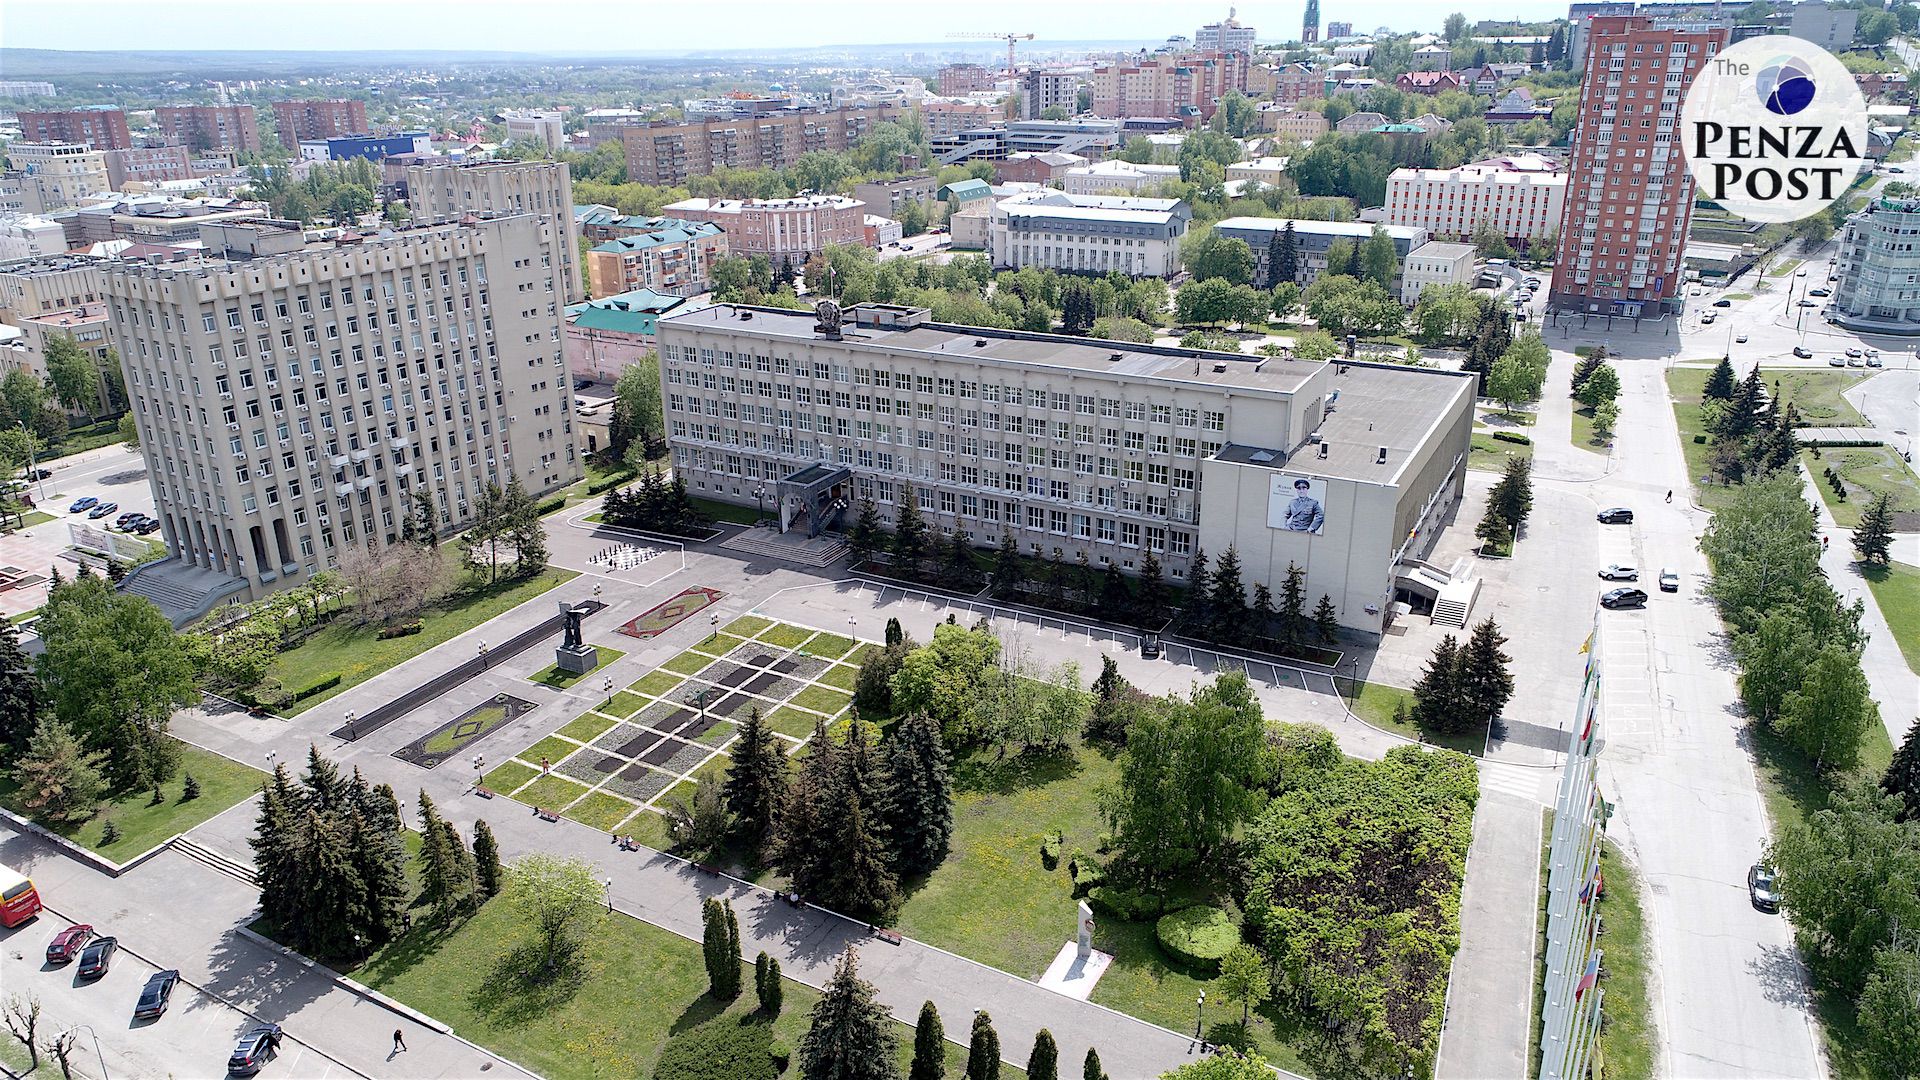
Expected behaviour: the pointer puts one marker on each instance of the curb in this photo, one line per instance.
(97, 861)
(348, 984)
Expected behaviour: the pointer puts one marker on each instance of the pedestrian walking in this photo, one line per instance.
(544, 765)
(1669, 494)
(399, 1041)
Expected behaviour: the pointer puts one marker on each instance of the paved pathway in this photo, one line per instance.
(1895, 686)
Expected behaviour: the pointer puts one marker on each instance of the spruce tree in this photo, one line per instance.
(1484, 685)
(1150, 599)
(461, 878)
(909, 531)
(1090, 1069)
(1228, 596)
(959, 567)
(1116, 600)
(1274, 254)
(1293, 603)
(756, 783)
(1436, 697)
(850, 1036)
(867, 532)
(486, 861)
(1514, 492)
(1584, 369)
(275, 862)
(1197, 613)
(800, 847)
(1720, 383)
(1044, 1062)
(19, 693)
(929, 1046)
(1326, 621)
(1873, 537)
(918, 796)
(1903, 774)
(1009, 570)
(437, 861)
(379, 867)
(59, 779)
(859, 881)
(895, 635)
(1263, 611)
(1289, 260)
(334, 892)
(1493, 527)
(983, 1049)
(325, 789)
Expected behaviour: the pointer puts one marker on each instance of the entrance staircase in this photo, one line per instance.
(823, 550)
(183, 591)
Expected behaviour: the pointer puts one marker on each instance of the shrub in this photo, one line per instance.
(403, 630)
(1127, 905)
(726, 1047)
(1700, 440)
(611, 482)
(550, 506)
(190, 790)
(1050, 852)
(321, 685)
(1512, 437)
(110, 834)
(1197, 936)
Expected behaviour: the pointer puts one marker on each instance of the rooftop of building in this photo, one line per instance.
(659, 231)
(1437, 249)
(734, 206)
(631, 312)
(968, 189)
(1359, 229)
(279, 236)
(1482, 172)
(1116, 167)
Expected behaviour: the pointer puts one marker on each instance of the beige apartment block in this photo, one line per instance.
(447, 191)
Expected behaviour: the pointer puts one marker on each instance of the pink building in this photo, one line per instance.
(795, 228)
(604, 336)
(1188, 86)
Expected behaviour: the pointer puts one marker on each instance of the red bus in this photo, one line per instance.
(19, 900)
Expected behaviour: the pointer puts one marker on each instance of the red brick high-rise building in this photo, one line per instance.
(103, 127)
(1629, 195)
(210, 127)
(320, 120)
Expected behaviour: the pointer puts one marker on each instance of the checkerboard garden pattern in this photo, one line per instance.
(669, 731)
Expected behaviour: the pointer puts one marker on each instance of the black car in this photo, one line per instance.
(253, 1050)
(1623, 598)
(155, 995)
(1723, 302)
(96, 957)
(36, 474)
(1819, 292)
(1617, 515)
(150, 525)
(1762, 887)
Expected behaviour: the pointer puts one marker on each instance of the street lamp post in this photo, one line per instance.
(481, 648)
(88, 1028)
(351, 717)
(1200, 1019)
(33, 465)
(609, 888)
(759, 499)
(714, 623)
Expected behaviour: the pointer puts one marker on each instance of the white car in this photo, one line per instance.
(1617, 572)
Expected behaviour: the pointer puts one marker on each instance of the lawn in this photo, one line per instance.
(1628, 1035)
(1375, 704)
(840, 675)
(1787, 266)
(586, 727)
(554, 676)
(1491, 454)
(507, 776)
(788, 721)
(687, 663)
(822, 700)
(786, 637)
(643, 988)
(719, 644)
(552, 748)
(1583, 434)
(1896, 589)
(1814, 392)
(35, 517)
(357, 653)
(223, 783)
(1683, 386)
(657, 683)
(624, 705)
(724, 511)
(1866, 471)
(600, 811)
(551, 793)
(747, 625)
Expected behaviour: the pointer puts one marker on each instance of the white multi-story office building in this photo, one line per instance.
(1524, 206)
(1225, 36)
(548, 127)
(1878, 269)
(58, 175)
(1056, 230)
(292, 395)
(1435, 263)
(1075, 447)
(441, 190)
(1113, 175)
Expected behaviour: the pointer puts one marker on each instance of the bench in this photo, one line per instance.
(706, 869)
(546, 815)
(891, 937)
(483, 792)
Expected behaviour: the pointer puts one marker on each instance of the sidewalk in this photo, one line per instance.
(1895, 686)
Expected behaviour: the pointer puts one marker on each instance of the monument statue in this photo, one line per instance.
(571, 617)
(826, 319)
(574, 654)
(1086, 930)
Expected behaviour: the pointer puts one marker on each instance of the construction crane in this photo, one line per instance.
(1008, 38)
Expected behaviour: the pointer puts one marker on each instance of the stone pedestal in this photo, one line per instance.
(578, 659)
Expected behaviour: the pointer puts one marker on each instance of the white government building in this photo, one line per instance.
(1524, 206)
(1057, 230)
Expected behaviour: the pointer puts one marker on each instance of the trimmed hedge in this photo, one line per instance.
(324, 684)
(727, 1047)
(1125, 904)
(1512, 437)
(611, 482)
(550, 506)
(1198, 937)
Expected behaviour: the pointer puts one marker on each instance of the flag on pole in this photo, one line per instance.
(1591, 976)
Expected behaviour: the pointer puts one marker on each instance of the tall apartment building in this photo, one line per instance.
(1074, 447)
(1878, 267)
(669, 153)
(17, 88)
(667, 256)
(1225, 36)
(948, 118)
(441, 190)
(1336, 30)
(58, 175)
(959, 80)
(1629, 196)
(103, 127)
(1188, 86)
(1524, 206)
(210, 127)
(148, 164)
(312, 121)
(1831, 28)
(791, 229)
(1043, 90)
(1056, 230)
(888, 198)
(291, 396)
(548, 127)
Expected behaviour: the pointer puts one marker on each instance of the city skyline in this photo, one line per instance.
(494, 26)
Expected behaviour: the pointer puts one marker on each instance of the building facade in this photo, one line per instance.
(672, 258)
(1435, 263)
(58, 175)
(605, 335)
(548, 127)
(311, 121)
(1524, 206)
(1045, 169)
(442, 191)
(1226, 35)
(959, 80)
(1291, 124)
(17, 88)
(1337, 30)
(1072, 447)
(1629, 199)
(210, 127)
(1109, 177)
(669, 153)
(370, 147)
(1188, 86)
(792, 229)
(103, 127)
(1831, 28)
(888, 197)
(147, 164)
(24, 236)
(1041, 90)
(1056, 230)
(1878, 269)
(291, 396)
(946, 118)
(1312, 240)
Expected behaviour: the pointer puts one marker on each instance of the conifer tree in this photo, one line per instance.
(1263, 611)
(333, 894)
(1228, 596)
(1484, 684)
(1150, 599)
(918, 796)
(58, 778)
(850, 1036)
(1287, 265)
(867, 532)
(766, 984)
(1873, 537)
(1903, 773)
(1198, 612)
(713, 946)
(275, 861)
(1009, 570)
(1293, 603)
(859, 880)
(1326, 621)
(731, 958)
(461, 878)
(929, 1046)
(1514, 492)
(19, 693)
(756, 783)
(800, 849)
(1720, 383)
(983, 1049)
(1044, 1062)
(1090, 1069)
(895, 635)
(488, 872)
(1116, 600)
(1436, 697)
(909, 531)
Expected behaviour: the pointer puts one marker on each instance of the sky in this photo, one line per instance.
(618, 26)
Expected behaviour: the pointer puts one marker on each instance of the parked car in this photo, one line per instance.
(583, 384)
(1808, 303)
(156, 994)
(97, 957)
(35, 474)
(1803, 352)
(1762, 888)
(1856, 362)
(1707, 319)
(1802, 272)
(67, 943)
(1741, 338)
(84, 502)
(1873, 352)
(127, 518)
(1854, 352)
(1623, 598)
(101, 510)
(1617, 515)
(1723, 302)
(1669, 581)
(1532, 283)
(1837, 361)
(1873, 361)
(146, 527)
(251, 1052)
(1618, 572)
(1819, 292)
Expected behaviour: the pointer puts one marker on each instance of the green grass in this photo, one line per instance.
(828, 646)
(79, 440)
(559, 679)
(1866, 471)
(786, 637)
(624, 704)
(649, 828)
(223, 783)
(1491, 455)
(551, 793)
(553, 748)
(1816, 394)
(822, 700)
(657, 683)
(507, 776)
(1583, 433)
(1539, 948)
(357, 653)
(1628, 1036)
(839, 675)
(747, 625)
(687, 663)
(719, 644)
(1683, 387)
(1738, 296)
(1786, 267)
(35, 517)
(724, 511)
(600, 810)
(1375, 704)
(790, 721)
(1896, 589)
(586, 727)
